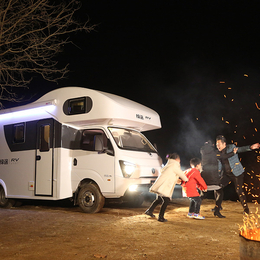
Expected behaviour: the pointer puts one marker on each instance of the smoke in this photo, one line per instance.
(190, 138)
(197, 108)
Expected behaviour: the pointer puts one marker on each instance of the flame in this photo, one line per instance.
(251, 226)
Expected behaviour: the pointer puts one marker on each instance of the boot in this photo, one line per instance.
(149, 213)
(220, 208)
(162, 219)
(217, 213)
(246, 210)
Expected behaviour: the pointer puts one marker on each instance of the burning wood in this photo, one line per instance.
(251, 226)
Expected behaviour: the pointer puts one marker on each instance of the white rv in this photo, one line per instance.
(77, 143)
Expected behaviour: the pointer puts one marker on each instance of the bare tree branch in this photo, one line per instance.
(32, 33)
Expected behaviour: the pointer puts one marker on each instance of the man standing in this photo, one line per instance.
(232, 171)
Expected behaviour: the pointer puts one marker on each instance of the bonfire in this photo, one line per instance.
(251, 226)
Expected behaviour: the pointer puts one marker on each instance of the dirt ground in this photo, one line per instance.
(62, 232)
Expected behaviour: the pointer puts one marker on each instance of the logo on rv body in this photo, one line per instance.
(142, 117)
(14, 160)
(3, 161)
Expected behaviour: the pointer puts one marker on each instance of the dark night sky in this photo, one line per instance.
(171, 56)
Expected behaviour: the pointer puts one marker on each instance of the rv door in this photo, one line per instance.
(44, 158)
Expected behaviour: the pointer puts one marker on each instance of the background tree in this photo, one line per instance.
(32, 33)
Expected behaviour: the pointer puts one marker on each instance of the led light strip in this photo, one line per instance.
(28, 110)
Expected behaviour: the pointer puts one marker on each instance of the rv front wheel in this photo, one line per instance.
(90, 199)
(4, 202)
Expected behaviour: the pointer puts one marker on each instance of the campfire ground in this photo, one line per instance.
(64, 232)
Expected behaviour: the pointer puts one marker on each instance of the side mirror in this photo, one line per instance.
(110, 152)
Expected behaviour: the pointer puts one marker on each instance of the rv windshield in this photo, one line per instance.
(131, 140)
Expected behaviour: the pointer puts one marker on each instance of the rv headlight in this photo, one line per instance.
(127, 168)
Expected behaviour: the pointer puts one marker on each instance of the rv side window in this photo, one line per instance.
(95, 140)
(44, 138)
(19, 131)
(77, 106)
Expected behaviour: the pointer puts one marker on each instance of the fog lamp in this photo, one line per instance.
(133, 188)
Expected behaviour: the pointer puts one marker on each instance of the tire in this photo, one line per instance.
(90, 199)
(4, 202)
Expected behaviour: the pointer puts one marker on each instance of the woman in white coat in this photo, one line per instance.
(164, 185)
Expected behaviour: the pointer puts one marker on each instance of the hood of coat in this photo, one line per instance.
(169, 163)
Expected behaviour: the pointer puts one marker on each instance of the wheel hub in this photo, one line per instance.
(89, 199)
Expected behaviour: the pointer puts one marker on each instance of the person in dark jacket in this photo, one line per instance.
(232, 170)
(210, 157)
(209, 161)
(209, 164)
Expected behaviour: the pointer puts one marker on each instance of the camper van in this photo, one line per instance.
(77, 143)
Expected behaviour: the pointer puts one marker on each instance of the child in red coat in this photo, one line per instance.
(190, 188)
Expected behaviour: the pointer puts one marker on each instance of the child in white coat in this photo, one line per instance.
(164, 185)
